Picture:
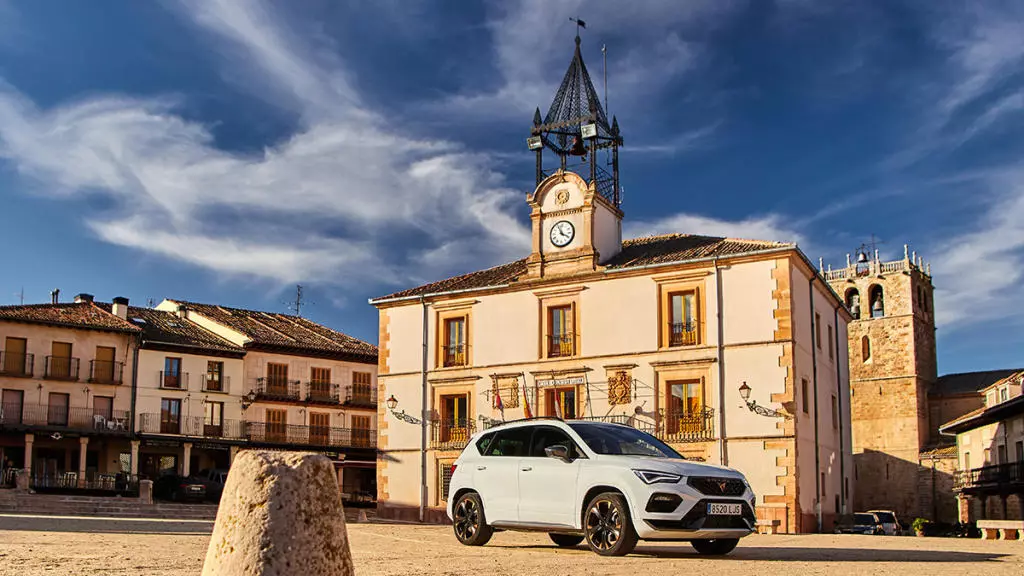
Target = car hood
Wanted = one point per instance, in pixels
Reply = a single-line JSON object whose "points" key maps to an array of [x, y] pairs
{"points": [[683, 467]]}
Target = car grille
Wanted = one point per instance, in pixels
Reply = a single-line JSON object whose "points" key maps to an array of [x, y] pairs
{"points": [[710, 486], [697, 518]]}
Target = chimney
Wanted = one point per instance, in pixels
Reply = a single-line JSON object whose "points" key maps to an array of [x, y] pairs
{"points": [[182, 311], [83, 297], [55, 296], [120, 307]]}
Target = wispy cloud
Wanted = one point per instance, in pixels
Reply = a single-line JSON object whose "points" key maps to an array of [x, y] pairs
{"points": [[766, 227]]}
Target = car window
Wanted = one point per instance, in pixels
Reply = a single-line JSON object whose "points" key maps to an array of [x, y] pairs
{"points": [[510, 442], [622, 440], [547, 436], [885, 517], [484, 442]]}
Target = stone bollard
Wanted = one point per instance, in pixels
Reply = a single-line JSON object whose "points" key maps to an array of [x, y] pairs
{"points": [[145, 492], [280, 514], [21, 482]]}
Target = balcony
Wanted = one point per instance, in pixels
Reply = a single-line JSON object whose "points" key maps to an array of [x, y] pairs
{"points": [[277, 389], [319, 392], [449, 434], [43, 418], [454, 356], [221, 385], [191, 426], [16, 365], [364, 395], [696, 426], [173, 380], [682, 334], [998, 479], [106, 372], [61, 368], [561, 346], [301, 435]]}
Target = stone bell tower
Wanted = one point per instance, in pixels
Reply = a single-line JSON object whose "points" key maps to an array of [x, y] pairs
{"points": [[892, 368], [577, 222]]}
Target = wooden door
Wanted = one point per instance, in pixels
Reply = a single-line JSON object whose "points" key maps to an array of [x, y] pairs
{"points": [[57, 410], [320, 383], [360, 430], [319, 428], [277, 379], [60, 360], [15, 359], [103, 365], [11, 405], [277, 425]]}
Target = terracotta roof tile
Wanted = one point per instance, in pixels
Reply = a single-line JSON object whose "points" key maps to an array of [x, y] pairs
{"points": [[270, 329], [162, 327], [949, 451], [85, 315], [636, 252], [968, 382]]}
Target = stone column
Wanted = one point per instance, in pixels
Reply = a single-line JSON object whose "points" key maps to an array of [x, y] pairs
{"points": [[963, 508], [29, 440], [233, 452], [186, 466], [134, 470], [83, 444]]}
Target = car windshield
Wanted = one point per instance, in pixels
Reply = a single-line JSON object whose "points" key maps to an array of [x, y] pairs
{"points": [[612, 439], [862, 519], [886, 517]]}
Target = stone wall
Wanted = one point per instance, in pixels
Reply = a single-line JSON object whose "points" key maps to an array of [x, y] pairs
{"points": [[937, 501]]}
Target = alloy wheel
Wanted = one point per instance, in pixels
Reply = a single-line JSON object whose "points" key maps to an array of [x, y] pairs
{"points": [[604, 524], [467, 519]]}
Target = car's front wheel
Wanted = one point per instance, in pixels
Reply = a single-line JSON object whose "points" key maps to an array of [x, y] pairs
{"points": [[607, 525], [716, 547], [469, 522], [565, 540]]}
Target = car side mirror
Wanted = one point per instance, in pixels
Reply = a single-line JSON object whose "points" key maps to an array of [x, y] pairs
{"points": [[558, 451]]}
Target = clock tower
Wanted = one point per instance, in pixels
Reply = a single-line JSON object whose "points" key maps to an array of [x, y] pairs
{"points": [[577, 221]]}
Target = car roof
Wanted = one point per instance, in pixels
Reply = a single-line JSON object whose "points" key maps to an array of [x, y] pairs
{"points": [[546, 420]]}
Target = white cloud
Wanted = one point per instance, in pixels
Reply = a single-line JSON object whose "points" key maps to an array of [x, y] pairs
{"points": [[769, 227]]}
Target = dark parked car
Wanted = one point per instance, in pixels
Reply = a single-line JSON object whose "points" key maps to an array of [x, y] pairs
{"points": [[859, 523], [178, 489], [213, 479]]}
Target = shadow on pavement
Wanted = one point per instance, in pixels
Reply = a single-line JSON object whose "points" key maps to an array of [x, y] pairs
{"points": [[104, 526], [793, 554]]}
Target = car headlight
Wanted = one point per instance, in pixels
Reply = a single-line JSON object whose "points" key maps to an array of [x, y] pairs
{"points": [[655, 477]]}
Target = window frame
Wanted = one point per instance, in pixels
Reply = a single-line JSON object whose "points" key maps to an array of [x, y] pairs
{"points": [[667, 289], [805, 396], [446, 313], [219, 372], [567, 316], [176, 377]]}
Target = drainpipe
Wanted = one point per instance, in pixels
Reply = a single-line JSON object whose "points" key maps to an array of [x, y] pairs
{"points": [[723, 454], [839, 408], [134, 395], [814, 380], [423, 420]]}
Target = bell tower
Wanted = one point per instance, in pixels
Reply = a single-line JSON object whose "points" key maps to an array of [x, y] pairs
{"points": [[577, 222]]}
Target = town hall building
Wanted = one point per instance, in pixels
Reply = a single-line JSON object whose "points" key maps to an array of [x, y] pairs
{"points": [[732, 351]]}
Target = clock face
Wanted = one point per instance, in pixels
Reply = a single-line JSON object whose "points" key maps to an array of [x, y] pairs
{"points": [[562, 233]]}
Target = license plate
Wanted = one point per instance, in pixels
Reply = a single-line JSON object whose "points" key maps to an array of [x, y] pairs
{"points": [[194, 488], [725, 509]]}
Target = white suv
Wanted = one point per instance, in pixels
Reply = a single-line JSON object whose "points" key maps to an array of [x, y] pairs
{"points": [[608, 483]]}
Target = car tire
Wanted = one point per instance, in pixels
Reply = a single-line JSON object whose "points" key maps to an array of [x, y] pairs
{"points": [[716, 547], [565, 540], [469, 522], [608, 526]]}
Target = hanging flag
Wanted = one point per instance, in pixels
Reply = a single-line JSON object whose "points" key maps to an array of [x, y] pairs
{"points": [[558, 405], [526, 404], [497, 400]]}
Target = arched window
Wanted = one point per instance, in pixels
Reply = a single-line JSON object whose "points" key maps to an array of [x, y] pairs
{"points": [[877, 301], [865, 349], [924, 299], [853, 302]]}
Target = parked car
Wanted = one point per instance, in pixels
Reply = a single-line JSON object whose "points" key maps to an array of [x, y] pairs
{"points": [[178, 489], [890, 524], [608, 484], [213, 479], [859, 523]]}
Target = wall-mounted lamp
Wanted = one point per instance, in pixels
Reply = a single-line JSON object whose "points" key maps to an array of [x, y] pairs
{"points": [[754, 407], [248, 399], [392, 403]]}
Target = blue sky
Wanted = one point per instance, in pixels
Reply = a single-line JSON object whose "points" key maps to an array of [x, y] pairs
{"points": [[223, 151]]}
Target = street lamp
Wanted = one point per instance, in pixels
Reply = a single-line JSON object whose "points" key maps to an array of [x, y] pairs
{"points": [[392, 403], [754, 407], [248, 399]]}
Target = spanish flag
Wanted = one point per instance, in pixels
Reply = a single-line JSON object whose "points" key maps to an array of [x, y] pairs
{"points": [[526, 404]]}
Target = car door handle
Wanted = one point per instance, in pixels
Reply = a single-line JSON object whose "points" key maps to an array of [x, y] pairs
{"points": [[481, 467], [526, 468]]}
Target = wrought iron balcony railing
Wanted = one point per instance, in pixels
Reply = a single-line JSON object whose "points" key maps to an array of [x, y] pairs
{"points": [[106, 372], [64, 482], [454, 356], [561, 345], [624, 419], [29, 417], [301, 435], [173, 380], [1001, 477], [223, 384], [451, 434], [320, 392], [682, 334], [192, 426], [61, 368], [18, 365], [271, 388], [696, 426], [361, 395]]}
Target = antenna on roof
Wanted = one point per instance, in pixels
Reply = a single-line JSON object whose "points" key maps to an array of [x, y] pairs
{"points": [[150, 302], [296, 306], [21, 296]]}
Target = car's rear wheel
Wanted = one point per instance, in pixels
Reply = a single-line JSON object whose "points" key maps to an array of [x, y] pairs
{"points": [[716, 547], [607, 525], [565, 540], [469, 522]]}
